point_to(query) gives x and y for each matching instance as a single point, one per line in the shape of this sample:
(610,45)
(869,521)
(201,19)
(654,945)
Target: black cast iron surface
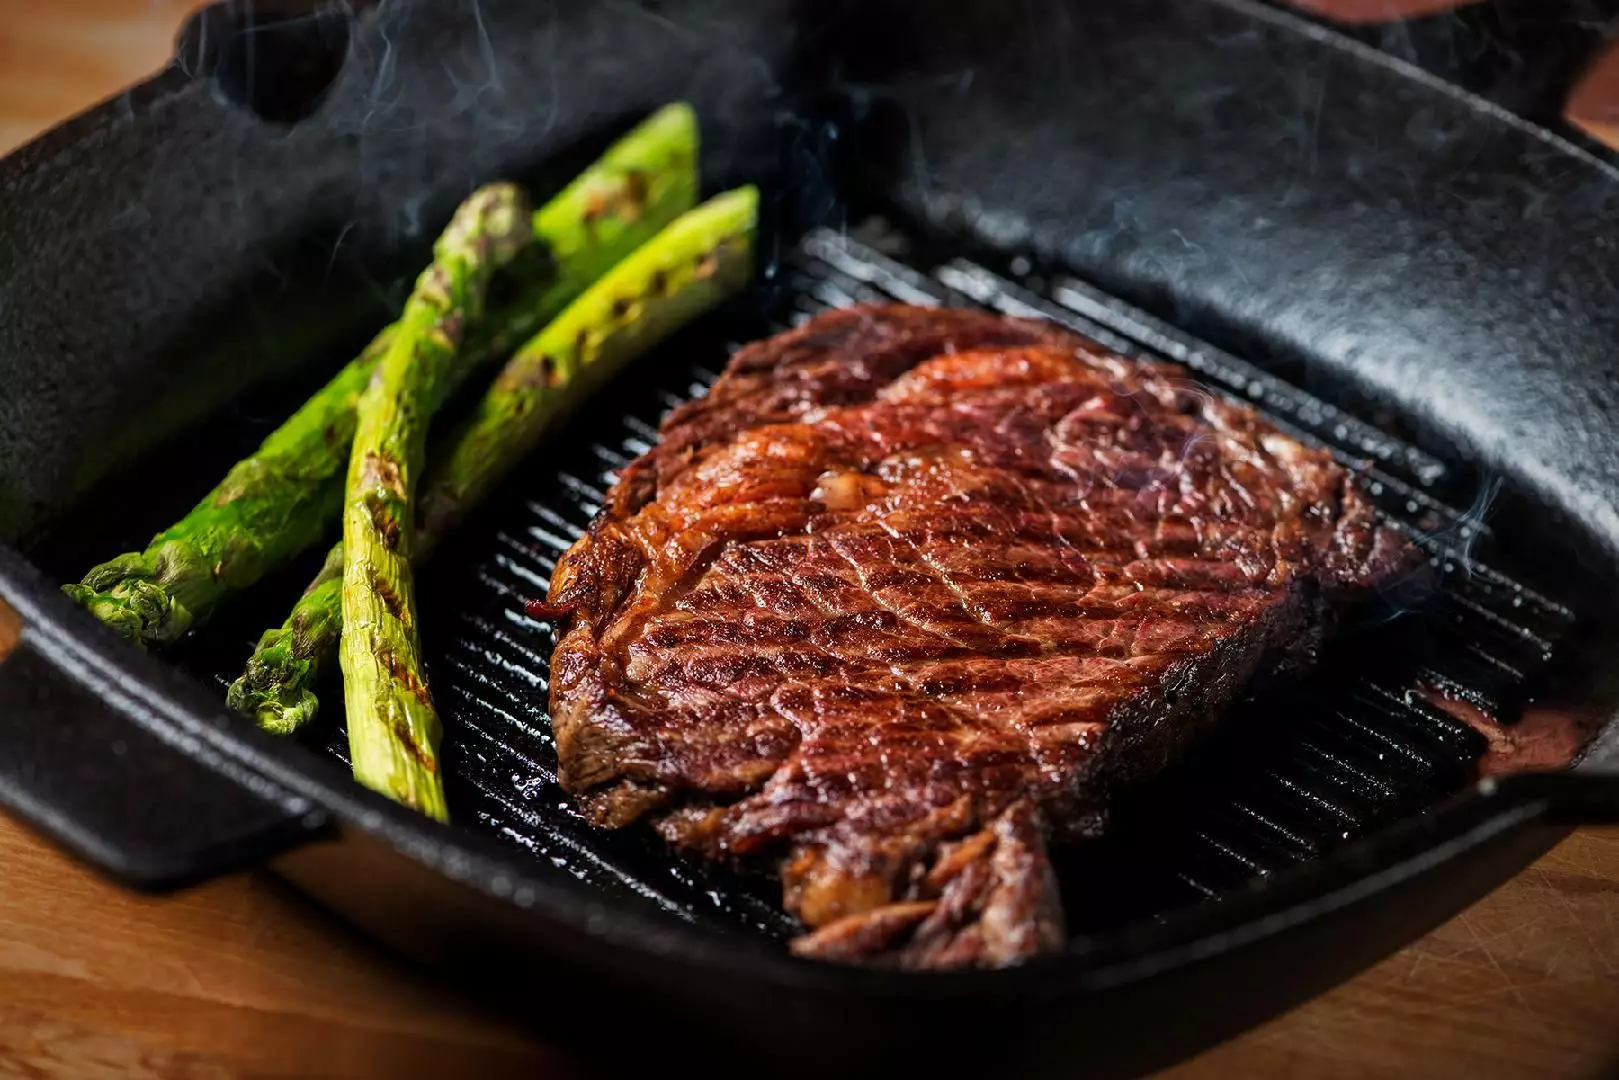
(1299,769)
(1380,239)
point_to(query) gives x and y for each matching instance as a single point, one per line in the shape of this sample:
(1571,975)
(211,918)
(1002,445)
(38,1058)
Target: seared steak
(910,589)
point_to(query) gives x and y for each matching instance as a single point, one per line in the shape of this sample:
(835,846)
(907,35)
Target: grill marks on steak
(910,589)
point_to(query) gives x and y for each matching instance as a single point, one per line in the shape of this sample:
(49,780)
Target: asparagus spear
(639,185)
(275,690)
(700,259)
(282,499)
(393,731)
(703,257)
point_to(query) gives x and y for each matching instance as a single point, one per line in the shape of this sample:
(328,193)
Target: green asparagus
(393,731)
(704,256)
(275,690)
(699,260)
(281,500)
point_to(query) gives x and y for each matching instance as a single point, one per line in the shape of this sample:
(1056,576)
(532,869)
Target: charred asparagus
(699,260)
(283,498)
(393,731)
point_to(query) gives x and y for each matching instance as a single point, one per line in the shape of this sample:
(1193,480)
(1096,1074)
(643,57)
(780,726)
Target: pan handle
(274,58)
(126,786)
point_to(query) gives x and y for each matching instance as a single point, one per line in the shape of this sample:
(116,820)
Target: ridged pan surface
(1297,769)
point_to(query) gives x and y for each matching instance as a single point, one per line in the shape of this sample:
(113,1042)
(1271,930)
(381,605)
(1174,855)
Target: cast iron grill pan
(1298,767)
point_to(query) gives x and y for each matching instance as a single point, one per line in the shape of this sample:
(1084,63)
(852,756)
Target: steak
(910,591)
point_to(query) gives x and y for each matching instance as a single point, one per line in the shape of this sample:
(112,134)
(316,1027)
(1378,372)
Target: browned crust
(881,799)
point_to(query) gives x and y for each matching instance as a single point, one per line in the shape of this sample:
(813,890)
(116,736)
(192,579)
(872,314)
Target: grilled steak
(910,590)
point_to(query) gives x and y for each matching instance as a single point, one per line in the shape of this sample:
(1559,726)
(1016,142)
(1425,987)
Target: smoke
(1455,541)
(1450,540)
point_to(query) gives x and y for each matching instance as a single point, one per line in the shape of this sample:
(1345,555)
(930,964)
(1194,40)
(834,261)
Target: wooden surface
(239,978)
(242,978)
(60,56)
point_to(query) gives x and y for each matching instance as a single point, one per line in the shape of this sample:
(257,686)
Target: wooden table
(243,978)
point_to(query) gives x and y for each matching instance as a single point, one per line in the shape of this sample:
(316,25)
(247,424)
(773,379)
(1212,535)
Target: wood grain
(242,978)
(10,629)
(1594,105)
(58,57)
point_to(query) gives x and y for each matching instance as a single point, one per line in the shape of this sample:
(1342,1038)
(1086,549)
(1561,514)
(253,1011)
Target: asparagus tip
(278,709)
(140,612)
(676,114)
(743,202)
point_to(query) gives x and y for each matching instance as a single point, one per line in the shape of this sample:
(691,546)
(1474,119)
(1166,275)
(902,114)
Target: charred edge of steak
(987,900)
